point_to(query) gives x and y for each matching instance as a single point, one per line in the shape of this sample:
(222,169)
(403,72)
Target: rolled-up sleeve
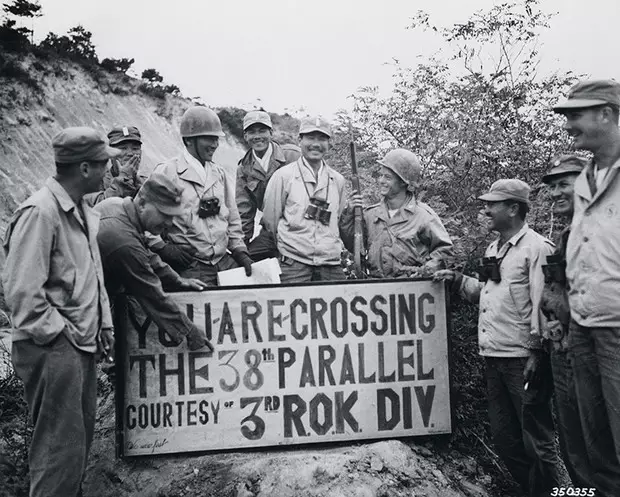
(275,197)
(28,245)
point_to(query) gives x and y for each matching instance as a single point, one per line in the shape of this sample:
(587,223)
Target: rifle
(358,240)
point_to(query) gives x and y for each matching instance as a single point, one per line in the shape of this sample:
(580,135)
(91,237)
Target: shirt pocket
(520,297)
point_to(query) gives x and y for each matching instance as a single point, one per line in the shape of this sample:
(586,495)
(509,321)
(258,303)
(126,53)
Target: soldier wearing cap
(197,243)
(264,157)
(130,266)
(121,179)
(509,290)
(404,237)
(303,203)
(554,306)
(60,312)
(593,273)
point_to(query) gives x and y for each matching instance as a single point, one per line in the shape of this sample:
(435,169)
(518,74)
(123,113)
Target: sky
(287,55)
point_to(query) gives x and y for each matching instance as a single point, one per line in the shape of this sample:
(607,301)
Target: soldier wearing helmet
(196,244)
(303,203)
(264,158)
(404,237)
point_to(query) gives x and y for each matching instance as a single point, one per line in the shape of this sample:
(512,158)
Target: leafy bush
(152,75)
(232,118)
(77,44)
(117,65)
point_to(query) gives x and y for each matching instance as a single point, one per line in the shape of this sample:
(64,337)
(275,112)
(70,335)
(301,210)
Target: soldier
(121,179)
(554,305)
(197,242)
(129,265)
(303,203)
(264,157)
(593,274)
(54,287)
(519,385)
(404,237)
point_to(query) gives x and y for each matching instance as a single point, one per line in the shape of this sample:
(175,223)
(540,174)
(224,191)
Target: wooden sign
(293,364)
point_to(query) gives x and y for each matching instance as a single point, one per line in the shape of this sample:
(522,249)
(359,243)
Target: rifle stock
(358,240)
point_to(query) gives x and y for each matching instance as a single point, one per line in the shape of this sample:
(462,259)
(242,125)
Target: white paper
(264,272)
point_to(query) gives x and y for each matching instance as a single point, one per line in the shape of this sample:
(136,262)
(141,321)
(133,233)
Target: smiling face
(586,126)
(129,149)
(561,190)
(258,137)
(203,147)
(314,145)
(390,183)
(500,214)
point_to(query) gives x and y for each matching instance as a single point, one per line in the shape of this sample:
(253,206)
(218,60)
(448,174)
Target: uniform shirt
(509,319)
(397,244)
(305,240)
(53,278)
(593,251)
(210,236)
(130,266)
(252,181)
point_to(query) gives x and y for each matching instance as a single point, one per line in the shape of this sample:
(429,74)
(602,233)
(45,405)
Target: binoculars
(555,269)
(489,269)
(318,210)
(208,207)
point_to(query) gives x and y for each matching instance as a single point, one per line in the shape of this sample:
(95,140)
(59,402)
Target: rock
(242,491)
(473,490)
(439,475)
(376,464)
(44,116)
(423,451)
(10,121)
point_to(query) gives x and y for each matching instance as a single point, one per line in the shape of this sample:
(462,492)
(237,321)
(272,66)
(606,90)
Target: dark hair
(67,169)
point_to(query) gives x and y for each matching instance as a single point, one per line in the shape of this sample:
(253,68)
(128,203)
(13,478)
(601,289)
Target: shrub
(117,65)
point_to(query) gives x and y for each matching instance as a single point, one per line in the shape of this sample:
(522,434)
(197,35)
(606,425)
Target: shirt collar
(195,165)
(513,240)
(264,161)
(309,167)
(64,200)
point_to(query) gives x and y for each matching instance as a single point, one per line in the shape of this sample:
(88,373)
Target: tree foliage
(474,115)
(117,65)
(77,44)
(13,36)
(152,76)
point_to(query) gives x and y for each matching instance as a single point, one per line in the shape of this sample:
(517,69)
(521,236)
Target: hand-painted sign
(292,365)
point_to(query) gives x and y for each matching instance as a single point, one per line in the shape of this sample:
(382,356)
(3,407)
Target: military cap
(120,134)
(256,117)
(565,164)
(82,144)
(591,93)
(507,189)
(317,123)
(164,193)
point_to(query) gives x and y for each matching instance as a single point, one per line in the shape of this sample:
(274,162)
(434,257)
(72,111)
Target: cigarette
(526,385)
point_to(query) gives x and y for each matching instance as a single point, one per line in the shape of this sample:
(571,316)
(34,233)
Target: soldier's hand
(178,256)
(192,284)
(107,343)
(242,258)
(453,277)
(129,165)
(196,340)
(532,368)
(355,200)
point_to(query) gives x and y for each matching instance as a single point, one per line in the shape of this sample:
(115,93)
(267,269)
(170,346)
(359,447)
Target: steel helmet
(200,121)
(405,164)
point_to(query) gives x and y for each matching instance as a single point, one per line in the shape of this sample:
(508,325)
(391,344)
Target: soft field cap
(317,123)
(82,144)
(256,117)
(121,134)
(565,164)
(164,193)
(507,189)
(590,94)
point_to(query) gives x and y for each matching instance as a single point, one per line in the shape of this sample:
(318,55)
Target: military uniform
(252,181)
(399,245)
